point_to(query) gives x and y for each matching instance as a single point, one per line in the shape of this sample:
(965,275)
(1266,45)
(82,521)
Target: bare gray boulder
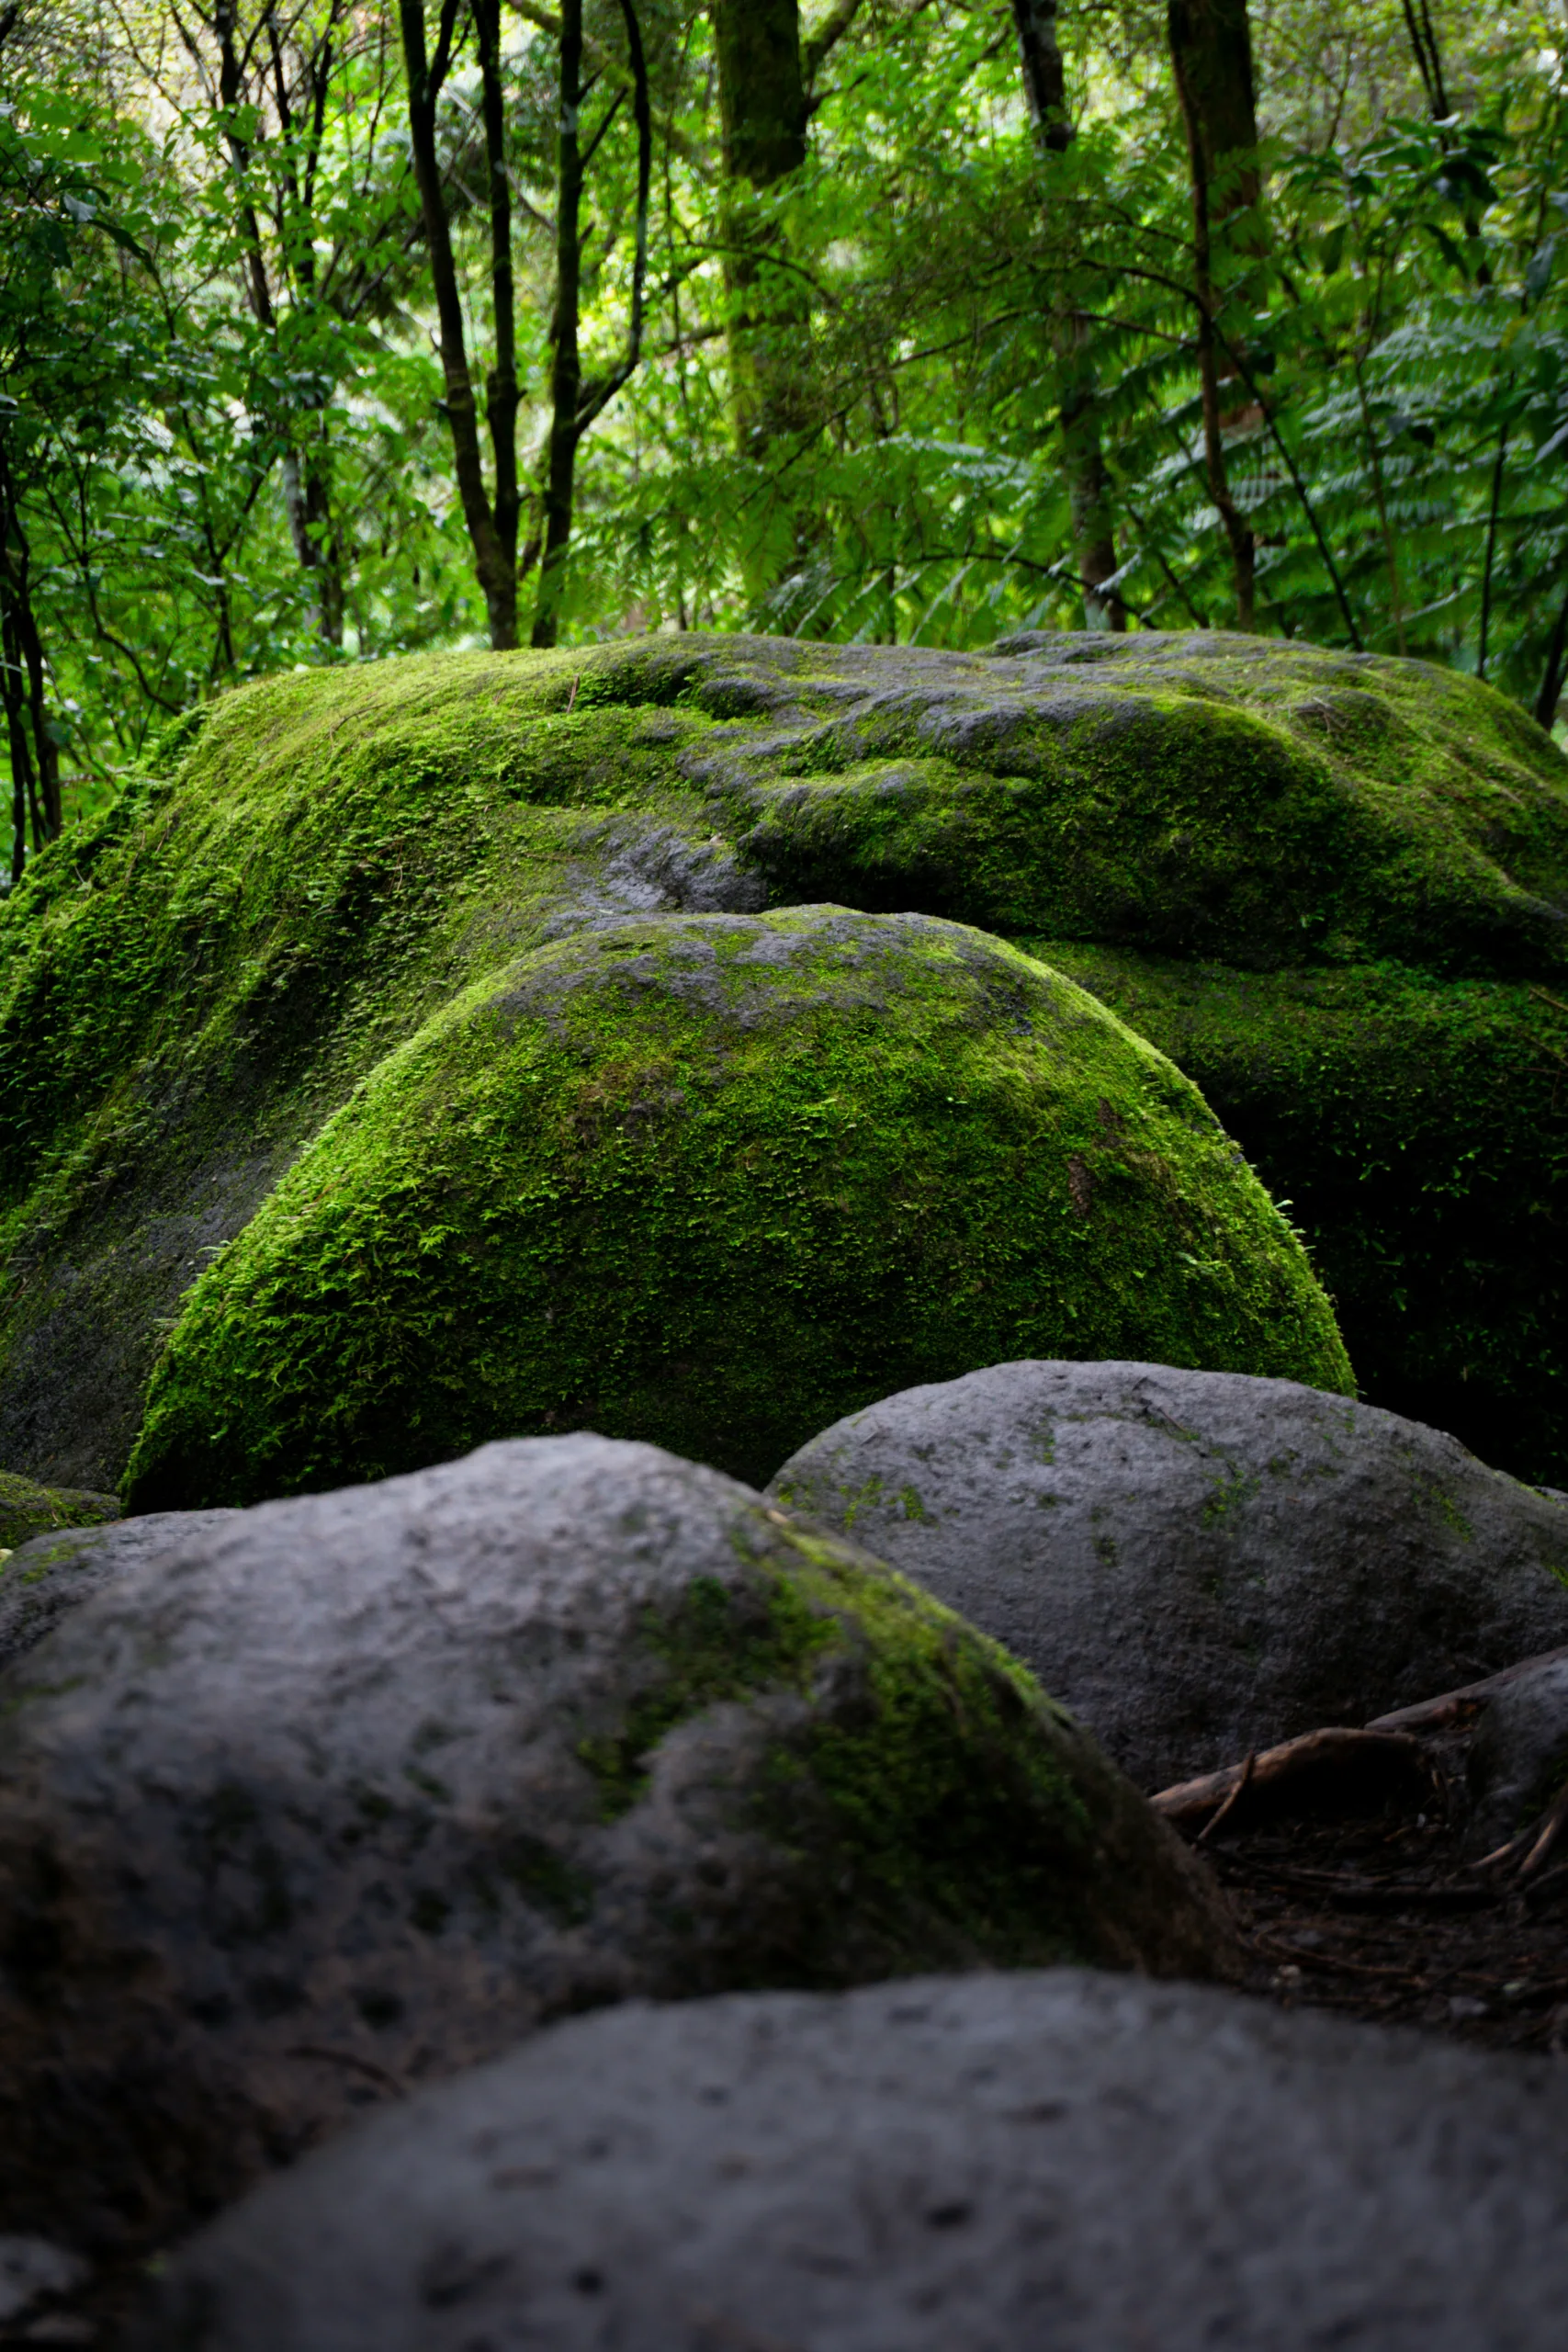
(1197,1563)
(1518,1759)
(995,2163)
(320,1798)
(49,1575)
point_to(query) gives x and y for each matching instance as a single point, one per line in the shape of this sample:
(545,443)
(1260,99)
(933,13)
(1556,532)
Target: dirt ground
(1380,1916)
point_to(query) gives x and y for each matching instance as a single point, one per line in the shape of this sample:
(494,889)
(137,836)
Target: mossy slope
(713,1180)
(191,987)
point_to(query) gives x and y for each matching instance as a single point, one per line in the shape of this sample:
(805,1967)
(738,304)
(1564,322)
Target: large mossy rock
(709,1180)
(1052,2163)
(306,1803)
(1198,1564)
(1348,861)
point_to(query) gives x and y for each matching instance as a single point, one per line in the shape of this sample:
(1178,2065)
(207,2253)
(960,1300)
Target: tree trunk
(1083,458)
(24,688)
(565,367)
(1211,52)
(503,393)
(762,118)
(495,569)
(575,404)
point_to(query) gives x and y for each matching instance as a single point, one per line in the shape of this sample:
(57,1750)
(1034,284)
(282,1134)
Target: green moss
(940,1794)
(193,984)
(26,1510)
(715,1182)
(1269,804)
(1416,1131)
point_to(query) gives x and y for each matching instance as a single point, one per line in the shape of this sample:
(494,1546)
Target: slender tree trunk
(1211,50)
(296,502)
(763,120)
(575,404)
(22,790)
(35,756)
(1083,456)
(502,394)
(1552,677)
(566,364)
(495,569)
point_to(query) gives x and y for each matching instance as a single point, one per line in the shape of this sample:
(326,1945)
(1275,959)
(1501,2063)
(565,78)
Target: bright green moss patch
(1420,1132)
(1196,794)
(714,1181)
(26,1510)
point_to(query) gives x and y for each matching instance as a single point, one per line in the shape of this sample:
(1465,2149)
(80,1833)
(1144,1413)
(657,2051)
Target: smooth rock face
(43,1580)
(997,2163)
(318,1799)
(1197,1563)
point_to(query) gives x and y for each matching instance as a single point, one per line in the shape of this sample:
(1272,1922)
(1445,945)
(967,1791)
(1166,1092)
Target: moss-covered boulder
(306,1804)
(27,1509)
(1374,851)
(713,1180)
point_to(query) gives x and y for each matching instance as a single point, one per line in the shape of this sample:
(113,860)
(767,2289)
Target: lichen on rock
(713,1180)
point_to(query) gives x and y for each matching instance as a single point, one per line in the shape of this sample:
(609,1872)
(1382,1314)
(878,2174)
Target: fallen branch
(1336,1752)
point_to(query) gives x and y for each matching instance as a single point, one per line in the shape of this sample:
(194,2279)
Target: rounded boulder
(1197,1563)
(712,1181)
(1004,2162)
(306,1803)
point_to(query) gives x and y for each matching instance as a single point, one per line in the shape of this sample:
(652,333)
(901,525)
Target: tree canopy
(331,329)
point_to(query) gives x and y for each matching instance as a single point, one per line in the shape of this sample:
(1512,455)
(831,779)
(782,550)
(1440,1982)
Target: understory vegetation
(330,329)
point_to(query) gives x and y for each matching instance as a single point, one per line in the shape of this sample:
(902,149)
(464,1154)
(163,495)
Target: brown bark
(762,117)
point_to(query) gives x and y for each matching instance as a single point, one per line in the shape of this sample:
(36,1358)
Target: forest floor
(1381,1916)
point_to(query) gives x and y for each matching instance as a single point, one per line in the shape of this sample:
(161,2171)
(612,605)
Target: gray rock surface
(1517,1757)
(997,2163)
(319,1798)
(50,1575)
(1197,1563)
